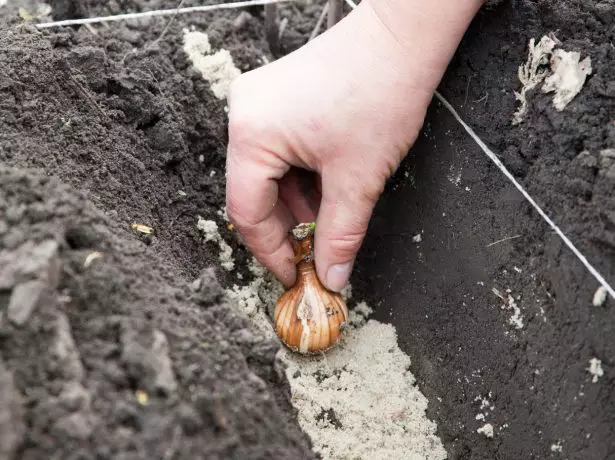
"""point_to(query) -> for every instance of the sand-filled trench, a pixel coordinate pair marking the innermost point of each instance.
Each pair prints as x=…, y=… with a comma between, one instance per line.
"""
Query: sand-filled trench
x=360, y=399
x=475, y=332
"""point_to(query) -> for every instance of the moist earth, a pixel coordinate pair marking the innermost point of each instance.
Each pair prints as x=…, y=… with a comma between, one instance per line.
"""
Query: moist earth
x=107, y=353
x=116, y=344
x=478, y=360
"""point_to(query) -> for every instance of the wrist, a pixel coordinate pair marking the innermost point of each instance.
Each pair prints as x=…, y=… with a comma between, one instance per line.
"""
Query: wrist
x=424, y=34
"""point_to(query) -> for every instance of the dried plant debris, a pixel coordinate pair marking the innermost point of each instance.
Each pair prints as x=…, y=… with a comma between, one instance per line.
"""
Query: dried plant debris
x=563, y=73
x=568, y=77
x=532, y=72
x=40, y=12
x=516, y=320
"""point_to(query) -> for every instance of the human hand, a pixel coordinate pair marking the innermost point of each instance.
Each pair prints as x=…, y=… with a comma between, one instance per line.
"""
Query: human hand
x=346, y=106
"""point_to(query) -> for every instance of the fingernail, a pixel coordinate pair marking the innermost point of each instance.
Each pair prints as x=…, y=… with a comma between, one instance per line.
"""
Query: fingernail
x=337, y=276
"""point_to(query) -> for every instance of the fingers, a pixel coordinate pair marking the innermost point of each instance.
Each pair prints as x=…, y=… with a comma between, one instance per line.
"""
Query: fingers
x=260, y=217
x=345, y=211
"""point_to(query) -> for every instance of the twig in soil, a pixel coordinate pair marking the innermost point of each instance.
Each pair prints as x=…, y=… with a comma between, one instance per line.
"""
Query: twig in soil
x=91, y=29
x=283, y=25
x=467, y=90
x=166, y=28
x=154, y=13
x=335, y=12
x=482, y=99
x=319, y=22
x=508, y=238
x=272, y=29
x=88, y=97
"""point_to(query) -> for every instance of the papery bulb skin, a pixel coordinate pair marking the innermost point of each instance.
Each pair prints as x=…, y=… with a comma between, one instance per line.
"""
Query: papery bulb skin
x=309, y=318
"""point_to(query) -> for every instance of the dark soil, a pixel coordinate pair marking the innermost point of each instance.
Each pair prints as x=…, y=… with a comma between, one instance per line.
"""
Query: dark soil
x=82, y=340
x=123, y=124
x=562, y=158
x=438, y=293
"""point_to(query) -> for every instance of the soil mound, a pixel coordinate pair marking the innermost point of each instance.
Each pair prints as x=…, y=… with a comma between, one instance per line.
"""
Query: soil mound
x=106, y=354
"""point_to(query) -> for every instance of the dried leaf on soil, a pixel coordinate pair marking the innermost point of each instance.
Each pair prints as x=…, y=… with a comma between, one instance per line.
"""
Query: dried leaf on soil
x=568, y=77
x=565, y=76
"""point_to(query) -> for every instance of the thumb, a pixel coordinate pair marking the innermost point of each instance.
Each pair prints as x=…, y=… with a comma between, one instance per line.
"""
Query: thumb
x=345, y=211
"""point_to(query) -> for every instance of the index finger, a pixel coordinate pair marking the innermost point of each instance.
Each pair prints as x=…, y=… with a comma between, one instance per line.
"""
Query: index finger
x=254, y=208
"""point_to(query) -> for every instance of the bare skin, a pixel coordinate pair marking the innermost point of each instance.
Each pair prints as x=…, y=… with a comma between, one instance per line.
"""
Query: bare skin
x=347, y=107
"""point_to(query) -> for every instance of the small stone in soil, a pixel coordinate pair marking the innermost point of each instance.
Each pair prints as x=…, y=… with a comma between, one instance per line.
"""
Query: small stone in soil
x=595, y=369
x=24, y=300
x=146, y=358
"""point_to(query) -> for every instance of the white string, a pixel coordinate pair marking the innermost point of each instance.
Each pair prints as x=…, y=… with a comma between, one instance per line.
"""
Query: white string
x=351, y=4
x=190, y=9
x=527, y=196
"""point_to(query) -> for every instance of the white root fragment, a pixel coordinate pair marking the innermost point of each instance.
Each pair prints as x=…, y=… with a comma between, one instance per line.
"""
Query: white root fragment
x=532, y=72
x=599, y=297
x=92, y=256
x=595, y=369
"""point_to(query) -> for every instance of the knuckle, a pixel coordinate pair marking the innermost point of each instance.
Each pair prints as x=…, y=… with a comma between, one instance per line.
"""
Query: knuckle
x=235, y=214
x=234, y=209
x=371, y=187
x=345, y=246
x=244, y=129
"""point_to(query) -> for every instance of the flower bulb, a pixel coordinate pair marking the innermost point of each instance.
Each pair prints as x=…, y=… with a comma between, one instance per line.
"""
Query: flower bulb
x=308, y=317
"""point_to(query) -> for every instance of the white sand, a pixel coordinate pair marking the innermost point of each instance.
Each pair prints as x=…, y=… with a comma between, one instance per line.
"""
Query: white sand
x=217, y=68
x=211, y=233
x=595, y=369
x=359, y=401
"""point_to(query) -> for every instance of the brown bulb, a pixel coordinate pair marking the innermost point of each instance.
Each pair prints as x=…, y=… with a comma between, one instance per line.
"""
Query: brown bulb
x=308, y=317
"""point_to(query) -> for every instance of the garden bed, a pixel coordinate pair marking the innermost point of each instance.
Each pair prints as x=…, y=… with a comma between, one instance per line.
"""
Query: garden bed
x=125, y=344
